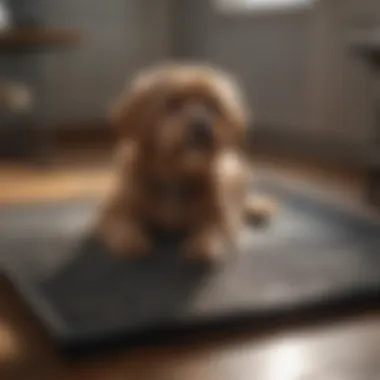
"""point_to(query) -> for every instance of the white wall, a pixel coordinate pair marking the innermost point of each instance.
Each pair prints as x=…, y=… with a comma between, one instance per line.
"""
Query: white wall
x=268, y=52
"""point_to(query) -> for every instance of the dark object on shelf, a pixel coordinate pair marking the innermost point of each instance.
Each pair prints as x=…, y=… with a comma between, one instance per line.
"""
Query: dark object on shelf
x=38, y=37
x=366, y=44
x=315, y=260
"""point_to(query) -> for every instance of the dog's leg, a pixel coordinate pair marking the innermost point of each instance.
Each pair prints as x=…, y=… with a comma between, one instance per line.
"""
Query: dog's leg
x=213, y=240
x=123, y=234
x=228, y=189
x=118, y=227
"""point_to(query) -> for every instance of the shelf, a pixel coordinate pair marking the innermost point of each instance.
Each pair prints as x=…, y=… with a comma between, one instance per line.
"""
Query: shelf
x=38, y=37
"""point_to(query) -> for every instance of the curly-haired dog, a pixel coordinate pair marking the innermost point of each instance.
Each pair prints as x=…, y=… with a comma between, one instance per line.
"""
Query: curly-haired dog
x=179, y=163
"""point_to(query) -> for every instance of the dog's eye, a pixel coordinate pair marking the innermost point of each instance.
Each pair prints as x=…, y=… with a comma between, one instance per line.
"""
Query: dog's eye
x=174, y=104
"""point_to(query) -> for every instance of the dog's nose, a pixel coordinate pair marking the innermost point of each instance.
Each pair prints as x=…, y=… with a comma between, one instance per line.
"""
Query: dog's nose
x=201, y=132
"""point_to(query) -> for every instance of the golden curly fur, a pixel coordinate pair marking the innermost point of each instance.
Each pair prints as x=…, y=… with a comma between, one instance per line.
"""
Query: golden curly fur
x=179, y=165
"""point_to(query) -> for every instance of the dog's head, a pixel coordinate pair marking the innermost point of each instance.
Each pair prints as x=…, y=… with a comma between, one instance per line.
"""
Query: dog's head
x=181, y=116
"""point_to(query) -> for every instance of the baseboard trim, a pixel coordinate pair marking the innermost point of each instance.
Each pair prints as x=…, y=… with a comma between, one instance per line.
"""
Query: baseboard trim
x=303, y=145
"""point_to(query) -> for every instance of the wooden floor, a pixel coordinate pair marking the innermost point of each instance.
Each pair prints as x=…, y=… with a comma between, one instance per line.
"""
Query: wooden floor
x=76, y=175
x=344, y=349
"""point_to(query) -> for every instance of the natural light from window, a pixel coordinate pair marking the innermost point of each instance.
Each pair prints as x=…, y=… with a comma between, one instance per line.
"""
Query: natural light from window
x=261, y=4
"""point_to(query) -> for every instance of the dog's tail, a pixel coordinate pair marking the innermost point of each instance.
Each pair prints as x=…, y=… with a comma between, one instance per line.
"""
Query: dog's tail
x=259, y=210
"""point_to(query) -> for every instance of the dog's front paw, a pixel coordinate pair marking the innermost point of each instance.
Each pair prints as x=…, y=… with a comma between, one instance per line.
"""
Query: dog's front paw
x=128, y=241
x=206, y=247
x=259, y=210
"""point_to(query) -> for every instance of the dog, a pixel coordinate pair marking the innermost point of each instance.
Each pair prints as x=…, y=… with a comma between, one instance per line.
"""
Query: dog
x=179, y=163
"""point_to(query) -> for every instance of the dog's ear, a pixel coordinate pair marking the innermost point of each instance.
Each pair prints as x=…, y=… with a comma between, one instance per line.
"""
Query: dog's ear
x=128, y=114
x=240, y=117
x=235, y=108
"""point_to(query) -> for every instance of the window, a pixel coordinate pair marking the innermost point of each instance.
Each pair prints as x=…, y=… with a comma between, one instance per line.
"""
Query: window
x=248, y=5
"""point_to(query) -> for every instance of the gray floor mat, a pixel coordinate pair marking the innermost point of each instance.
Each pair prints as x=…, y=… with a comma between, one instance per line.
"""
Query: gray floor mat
x=313, y=254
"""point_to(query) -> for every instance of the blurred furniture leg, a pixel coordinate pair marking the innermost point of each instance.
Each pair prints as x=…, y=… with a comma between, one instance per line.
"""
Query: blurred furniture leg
x=373, y=192
x=374, y=186
x=366, y=44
